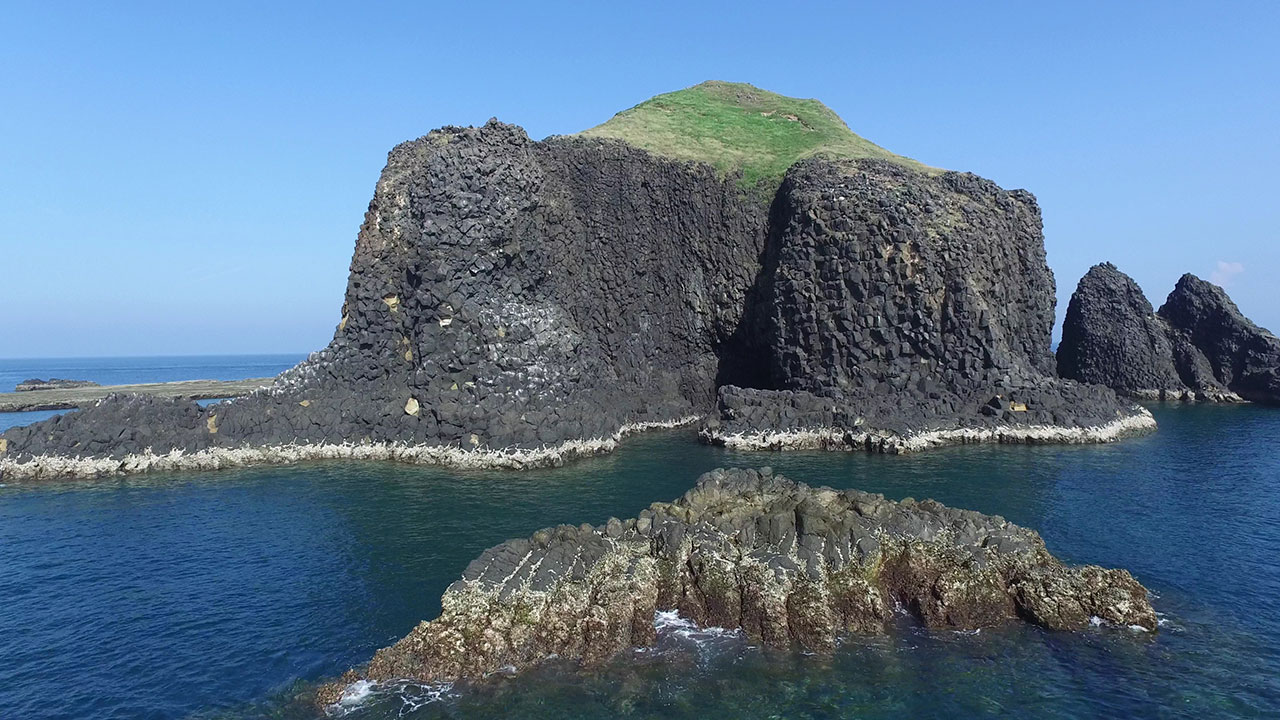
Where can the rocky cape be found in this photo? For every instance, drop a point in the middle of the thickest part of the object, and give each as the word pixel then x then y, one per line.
pixel 514 303
pixel 1198 346
pixel 788 564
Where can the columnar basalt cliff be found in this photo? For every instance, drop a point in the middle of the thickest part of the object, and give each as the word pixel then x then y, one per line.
pixel 897 310
pixel 516 303
pixel 789 564
pixel 1197 347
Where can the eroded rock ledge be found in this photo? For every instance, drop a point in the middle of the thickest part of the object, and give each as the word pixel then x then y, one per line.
pixel 785 562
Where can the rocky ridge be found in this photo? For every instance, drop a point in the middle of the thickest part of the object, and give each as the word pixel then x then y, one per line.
pixel 517 303
pixel 789 564
pixel 1198 346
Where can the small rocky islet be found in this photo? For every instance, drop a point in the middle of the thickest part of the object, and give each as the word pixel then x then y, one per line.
pixel 516 303
pixel 788 564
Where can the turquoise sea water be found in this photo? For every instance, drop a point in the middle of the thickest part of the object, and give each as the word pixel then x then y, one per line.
pixel 228 595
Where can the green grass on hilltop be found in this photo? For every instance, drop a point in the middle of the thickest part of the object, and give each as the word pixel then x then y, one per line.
pixel 735 126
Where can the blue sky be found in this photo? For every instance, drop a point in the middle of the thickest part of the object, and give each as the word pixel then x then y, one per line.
pixel 182 180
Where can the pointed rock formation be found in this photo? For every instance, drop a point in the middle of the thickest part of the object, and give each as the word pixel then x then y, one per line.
pixel 1113 337
pixel 1198 346
pixel 1241 355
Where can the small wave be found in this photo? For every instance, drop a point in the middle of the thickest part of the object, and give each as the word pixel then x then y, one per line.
pixel 416 695
pixel 412 695
pixel 356 693
pixel 670 622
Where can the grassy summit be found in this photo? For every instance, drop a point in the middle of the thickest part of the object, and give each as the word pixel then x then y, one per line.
pixel 738 126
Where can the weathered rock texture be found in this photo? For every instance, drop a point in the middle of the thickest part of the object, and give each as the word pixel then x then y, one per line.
pixel 515 302
pixel 786 563
pixel 1198 346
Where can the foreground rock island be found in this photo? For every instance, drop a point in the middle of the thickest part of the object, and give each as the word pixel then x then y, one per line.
pixel 789 564
pixel 515 303
pixel 1198 346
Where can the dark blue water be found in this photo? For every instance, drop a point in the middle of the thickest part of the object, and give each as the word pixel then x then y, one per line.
pixel 126 370
pixel 229 594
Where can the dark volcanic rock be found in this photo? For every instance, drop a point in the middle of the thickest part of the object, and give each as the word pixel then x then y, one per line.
pixel 897 309
pixel 1197 346
pixel 1242 356
pixel 35 384
pixel 1113 337
pixel 532 300
pixel 785 562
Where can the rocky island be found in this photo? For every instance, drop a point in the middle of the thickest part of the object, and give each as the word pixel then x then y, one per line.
pixel 788 564
pixel 1198 346
pixel 719 255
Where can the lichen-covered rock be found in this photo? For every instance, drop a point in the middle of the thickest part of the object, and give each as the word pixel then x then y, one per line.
pixel 517 303
pixel 787 563
pixel 1198 346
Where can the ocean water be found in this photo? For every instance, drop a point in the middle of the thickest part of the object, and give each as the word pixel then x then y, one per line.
pixel 231 594
pixel 127 370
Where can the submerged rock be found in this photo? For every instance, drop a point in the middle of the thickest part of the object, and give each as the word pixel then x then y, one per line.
pixel 787 563
pixel 1198 346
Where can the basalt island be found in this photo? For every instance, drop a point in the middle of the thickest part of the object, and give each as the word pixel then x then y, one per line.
pixel 719 255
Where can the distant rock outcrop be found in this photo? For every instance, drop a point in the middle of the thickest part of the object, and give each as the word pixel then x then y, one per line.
pixel 789 564
pixel 516 303
pixel 1197 346
pixel 36 384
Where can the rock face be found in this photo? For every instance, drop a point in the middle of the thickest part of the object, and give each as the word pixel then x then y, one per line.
pixel 897 311
pixel 1198 346
pixel 35 384
pixel 513 303
pixel 787 563
pixel 1241 355
pixel 1113 337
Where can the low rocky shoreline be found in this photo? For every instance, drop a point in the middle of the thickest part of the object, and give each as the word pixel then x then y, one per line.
pixel 52 467
pixel 53 383
pixel 73 396
pixel 789 564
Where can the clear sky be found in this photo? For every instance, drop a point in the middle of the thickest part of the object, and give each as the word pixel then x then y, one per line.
pixel 179 180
